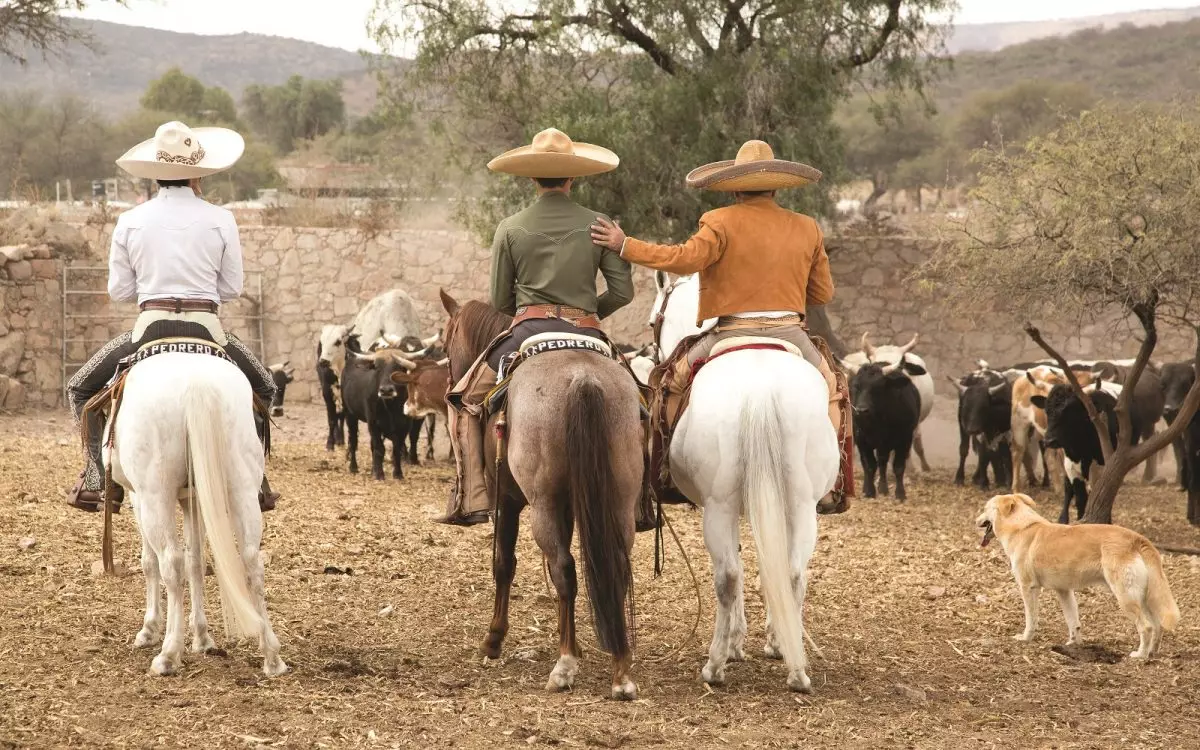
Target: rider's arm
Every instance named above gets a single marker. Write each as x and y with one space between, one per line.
820 280
700 251
618 277
122 284
231 277
504 274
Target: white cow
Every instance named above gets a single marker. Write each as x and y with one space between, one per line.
891 354
390 314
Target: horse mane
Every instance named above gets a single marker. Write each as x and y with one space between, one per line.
475 326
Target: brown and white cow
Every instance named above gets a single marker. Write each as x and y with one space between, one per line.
1029 421
426 386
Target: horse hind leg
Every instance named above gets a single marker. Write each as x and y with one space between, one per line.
151 633
193 532
504 568
552 530
157 514
721 538
249 521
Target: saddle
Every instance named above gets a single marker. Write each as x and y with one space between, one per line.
671 387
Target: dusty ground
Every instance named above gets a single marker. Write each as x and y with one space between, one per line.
914 620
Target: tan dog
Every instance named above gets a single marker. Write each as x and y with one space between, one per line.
1067 558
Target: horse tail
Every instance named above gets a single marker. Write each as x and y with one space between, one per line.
594 497
208 450
765 491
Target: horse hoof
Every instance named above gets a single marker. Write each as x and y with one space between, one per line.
736 653
203 645
146 638
713 675
559 683
490 650
771 651
626 691
798 682
274 667
163 666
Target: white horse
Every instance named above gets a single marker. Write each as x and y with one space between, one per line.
755 437
190 415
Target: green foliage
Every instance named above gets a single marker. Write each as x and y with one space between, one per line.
893 146
669 85
1101 214
298 110
42 141
190 100
1014 114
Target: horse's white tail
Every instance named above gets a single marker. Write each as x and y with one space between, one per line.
765 492
209 452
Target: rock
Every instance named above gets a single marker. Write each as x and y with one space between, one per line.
120 570
44 269
12 253
22 270
981 599
14 393
916 695
26 543
386 611
935 592
12 351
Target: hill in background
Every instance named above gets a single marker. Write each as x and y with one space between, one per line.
127 58
989 37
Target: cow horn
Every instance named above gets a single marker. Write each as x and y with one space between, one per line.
957 383
889 369
909 346
444 362
431 340
866 346
405 362
419 353
996 389
982 364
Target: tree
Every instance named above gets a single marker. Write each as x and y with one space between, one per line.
668 85
1009 117
175 91
1099 216
38 26
298 110
883 144
44 141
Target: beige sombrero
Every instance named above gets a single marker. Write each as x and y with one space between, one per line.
552 154
177 152
755 169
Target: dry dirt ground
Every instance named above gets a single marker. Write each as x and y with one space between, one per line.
914 621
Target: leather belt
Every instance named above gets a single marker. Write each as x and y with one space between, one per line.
180 305
573 315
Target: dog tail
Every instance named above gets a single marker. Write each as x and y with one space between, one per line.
1159 599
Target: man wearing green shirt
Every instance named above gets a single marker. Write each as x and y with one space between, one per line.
544 267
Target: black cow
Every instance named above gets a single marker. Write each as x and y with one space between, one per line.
370 396
1148 402
985 420
886 409
1069 427
1177 379
281 375
328 380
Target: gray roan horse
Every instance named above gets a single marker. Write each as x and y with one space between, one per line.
574 457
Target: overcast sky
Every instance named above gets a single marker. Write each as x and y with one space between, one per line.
342 23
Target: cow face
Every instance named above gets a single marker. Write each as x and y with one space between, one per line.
870 384
386 363
426 386
331 347
1177 380
281 375
982 397
1067 421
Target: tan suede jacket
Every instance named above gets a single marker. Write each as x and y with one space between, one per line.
752 256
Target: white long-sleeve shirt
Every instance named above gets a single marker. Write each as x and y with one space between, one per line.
175 245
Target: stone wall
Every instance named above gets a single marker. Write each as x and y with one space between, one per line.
311 277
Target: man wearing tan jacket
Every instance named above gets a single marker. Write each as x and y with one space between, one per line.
760 266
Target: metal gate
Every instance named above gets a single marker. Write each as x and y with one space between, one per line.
79 285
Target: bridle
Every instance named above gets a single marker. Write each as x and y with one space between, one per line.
660 317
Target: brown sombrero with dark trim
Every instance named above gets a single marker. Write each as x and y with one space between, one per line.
755 169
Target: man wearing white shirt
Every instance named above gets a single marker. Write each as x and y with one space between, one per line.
179 257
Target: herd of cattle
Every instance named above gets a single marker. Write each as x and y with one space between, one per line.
379 370
1012 415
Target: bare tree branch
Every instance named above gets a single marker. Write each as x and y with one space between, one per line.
867 54
1100 421
1187 410
621 23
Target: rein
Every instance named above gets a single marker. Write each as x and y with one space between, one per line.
660 317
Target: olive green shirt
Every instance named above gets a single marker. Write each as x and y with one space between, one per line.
545 255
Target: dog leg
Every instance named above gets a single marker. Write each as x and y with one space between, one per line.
1070 609
1029 593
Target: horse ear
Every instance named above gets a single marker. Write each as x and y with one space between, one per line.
660 280
449 304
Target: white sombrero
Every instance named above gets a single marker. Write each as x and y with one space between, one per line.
177 152
755 169
553 155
